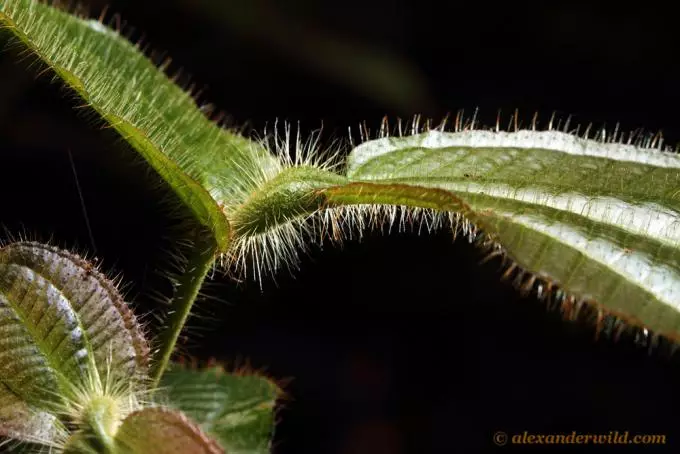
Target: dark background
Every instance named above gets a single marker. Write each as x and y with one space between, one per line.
398 344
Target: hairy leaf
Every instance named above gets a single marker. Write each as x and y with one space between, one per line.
236 409
63 328
593 225
597 218
202 162
210 169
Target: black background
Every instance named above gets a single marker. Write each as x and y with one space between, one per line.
398 344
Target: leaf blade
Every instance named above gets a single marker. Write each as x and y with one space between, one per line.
612 209
207 166
236 409
65 333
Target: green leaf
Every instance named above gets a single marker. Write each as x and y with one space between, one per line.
63 329
597 218
271 226
592 225
237 409
161 431
203 163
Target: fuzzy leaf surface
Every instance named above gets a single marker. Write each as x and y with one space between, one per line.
204 164
592 224
236 409
597 218
63 325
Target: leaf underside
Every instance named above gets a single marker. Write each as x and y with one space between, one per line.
62 325
200 161
593 225
599 219
236 409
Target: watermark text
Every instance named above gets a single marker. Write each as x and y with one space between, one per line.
613 437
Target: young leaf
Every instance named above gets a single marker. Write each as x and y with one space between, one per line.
236 409
64 329
162 431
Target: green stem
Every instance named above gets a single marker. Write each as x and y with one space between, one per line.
198 266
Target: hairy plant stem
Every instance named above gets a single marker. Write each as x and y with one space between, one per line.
198 265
